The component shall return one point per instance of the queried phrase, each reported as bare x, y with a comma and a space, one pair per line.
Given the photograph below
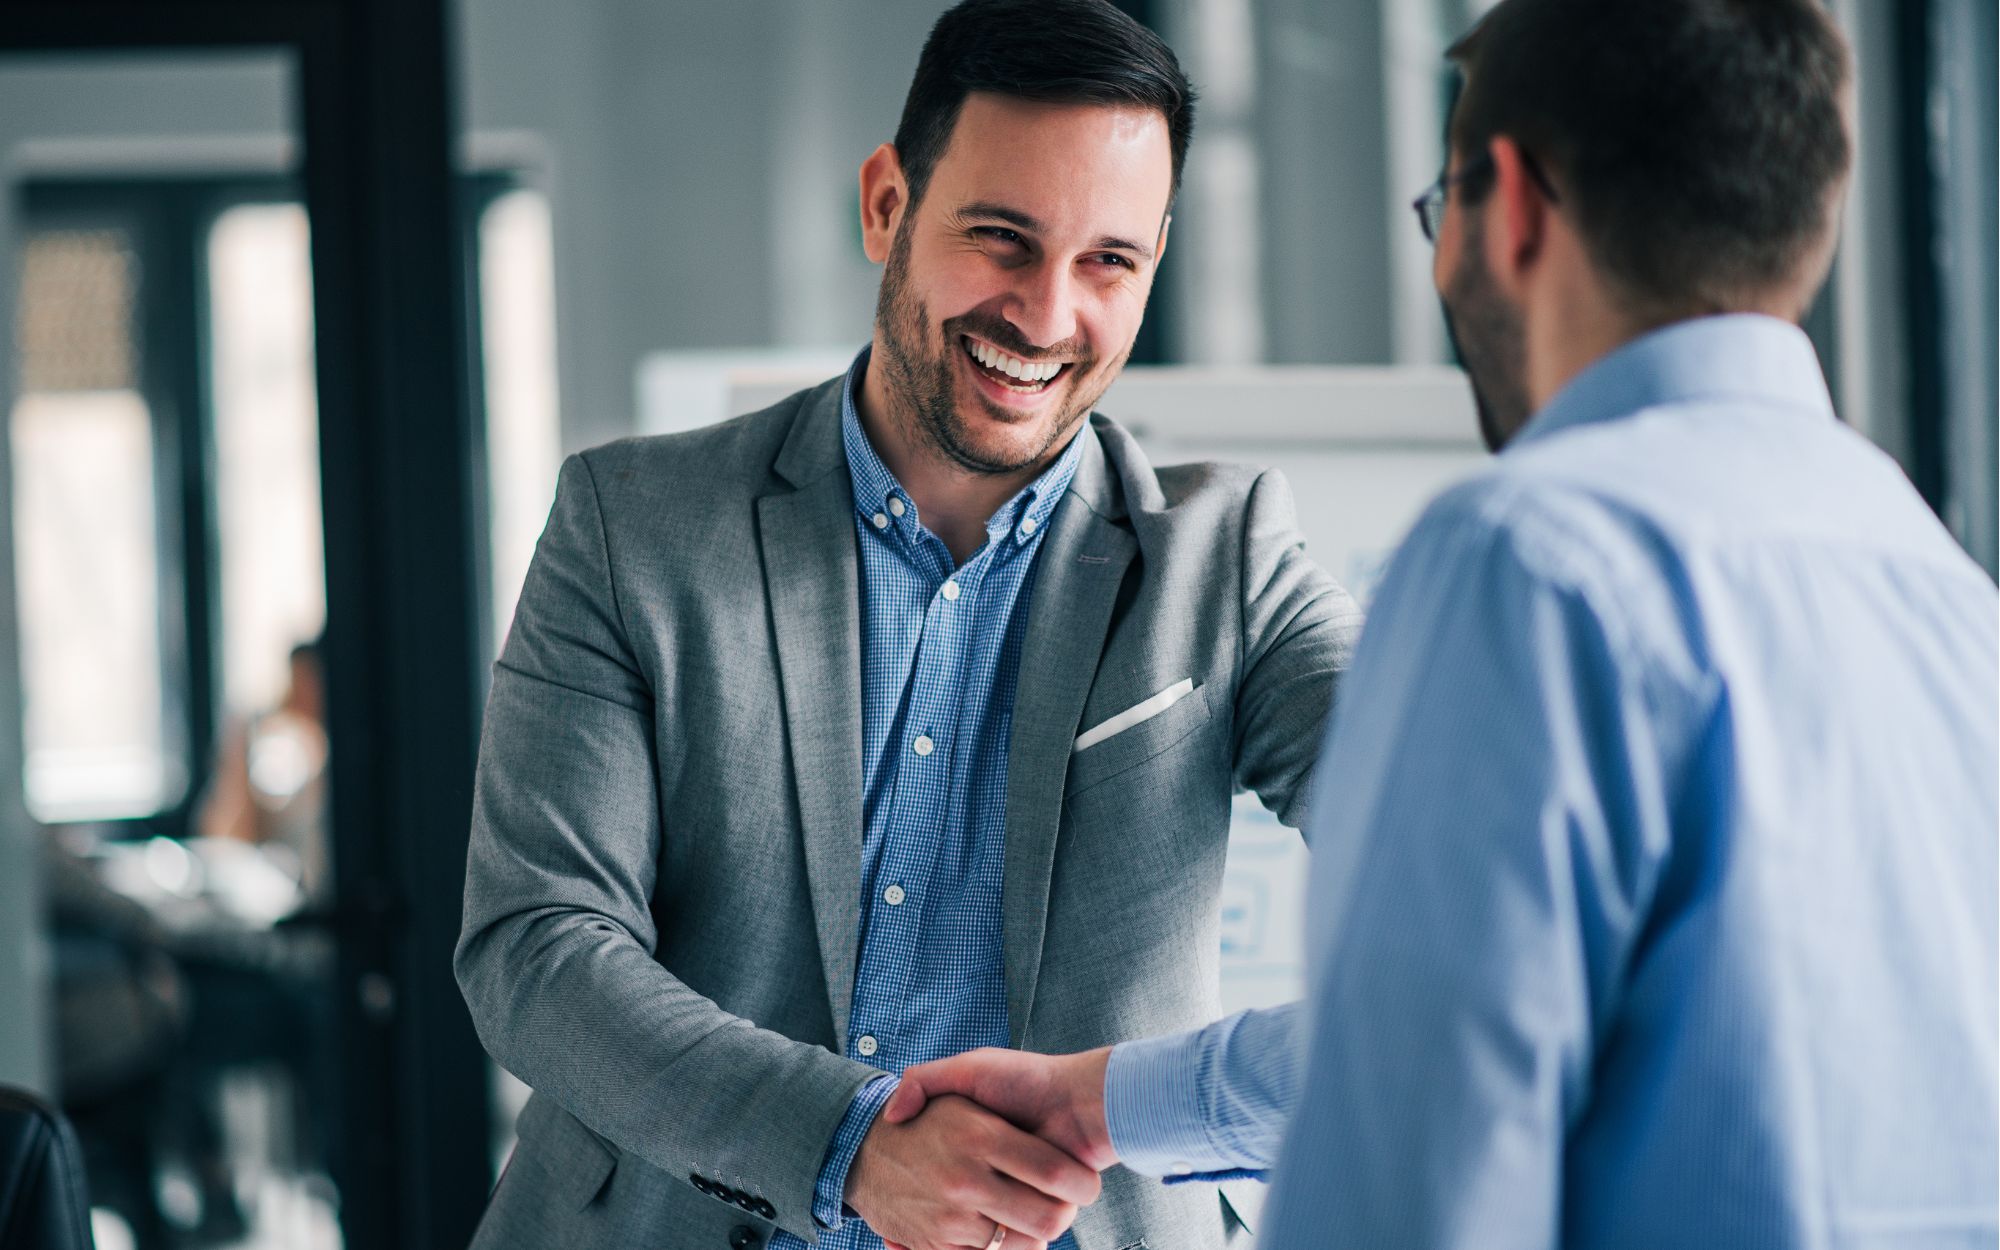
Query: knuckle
959, 1189
1052, 1222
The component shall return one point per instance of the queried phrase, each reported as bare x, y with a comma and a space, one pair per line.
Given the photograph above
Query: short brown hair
1057, 51
1701, 141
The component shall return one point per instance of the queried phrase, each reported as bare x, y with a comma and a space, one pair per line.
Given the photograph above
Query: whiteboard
1364, 450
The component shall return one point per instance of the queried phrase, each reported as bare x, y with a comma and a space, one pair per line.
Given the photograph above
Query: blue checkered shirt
940, 652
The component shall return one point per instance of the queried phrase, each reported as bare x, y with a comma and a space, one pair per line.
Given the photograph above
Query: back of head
1702, 143
1053, 51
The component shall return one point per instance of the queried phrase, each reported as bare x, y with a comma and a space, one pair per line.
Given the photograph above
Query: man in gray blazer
898, 719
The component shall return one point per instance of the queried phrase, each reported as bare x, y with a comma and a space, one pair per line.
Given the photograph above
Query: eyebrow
1015, 217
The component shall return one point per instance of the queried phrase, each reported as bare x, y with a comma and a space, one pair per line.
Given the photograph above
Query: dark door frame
398, 450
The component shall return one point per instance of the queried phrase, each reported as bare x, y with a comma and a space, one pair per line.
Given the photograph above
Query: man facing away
1658, 905
898, 719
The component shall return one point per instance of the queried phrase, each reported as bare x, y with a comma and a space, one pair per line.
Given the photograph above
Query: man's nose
1043, 306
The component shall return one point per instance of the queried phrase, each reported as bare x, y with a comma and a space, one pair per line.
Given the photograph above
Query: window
86, 537
518, 347
273, 575
165, 446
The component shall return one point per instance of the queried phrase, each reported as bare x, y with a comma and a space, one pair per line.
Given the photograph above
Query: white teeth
1000, 362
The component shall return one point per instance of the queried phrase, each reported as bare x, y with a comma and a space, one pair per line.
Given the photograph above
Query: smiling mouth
1023, 377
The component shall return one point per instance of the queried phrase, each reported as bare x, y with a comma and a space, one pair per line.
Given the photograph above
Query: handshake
988, 1149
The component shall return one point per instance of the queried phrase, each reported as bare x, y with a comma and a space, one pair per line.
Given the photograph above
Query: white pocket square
1137, 713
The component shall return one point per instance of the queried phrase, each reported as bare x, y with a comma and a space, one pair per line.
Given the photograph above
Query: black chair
42, 1201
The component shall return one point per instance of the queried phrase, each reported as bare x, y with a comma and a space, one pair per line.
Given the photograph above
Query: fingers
1031, 1217
907, 1101
921, 1083
943, 1180
1033, 1162
1016, 1240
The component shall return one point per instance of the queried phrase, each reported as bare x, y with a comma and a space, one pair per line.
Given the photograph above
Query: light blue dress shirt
940, 658
1654, 893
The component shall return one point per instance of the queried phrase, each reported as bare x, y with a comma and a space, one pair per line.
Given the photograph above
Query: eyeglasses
1430, 205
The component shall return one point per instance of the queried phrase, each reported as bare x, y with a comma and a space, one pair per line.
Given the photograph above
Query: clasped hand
984, 1141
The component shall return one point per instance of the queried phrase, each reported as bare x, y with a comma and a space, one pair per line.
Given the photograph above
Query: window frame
168, 220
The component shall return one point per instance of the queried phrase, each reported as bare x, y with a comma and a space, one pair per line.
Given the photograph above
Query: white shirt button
1177, 1168
866, 1047
880, 521
893, 896
1028, 526
895, 505
923, 745
951, 591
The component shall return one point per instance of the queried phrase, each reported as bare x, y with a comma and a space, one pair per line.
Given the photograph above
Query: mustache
997, 331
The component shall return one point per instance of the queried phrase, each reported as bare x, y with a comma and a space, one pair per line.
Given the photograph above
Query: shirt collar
1741, 356
877, 492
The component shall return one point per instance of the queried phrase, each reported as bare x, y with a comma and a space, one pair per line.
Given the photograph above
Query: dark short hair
1700, 141
1056, 51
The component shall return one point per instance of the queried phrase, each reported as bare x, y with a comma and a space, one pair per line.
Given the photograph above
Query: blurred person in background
1653, 896
269, 787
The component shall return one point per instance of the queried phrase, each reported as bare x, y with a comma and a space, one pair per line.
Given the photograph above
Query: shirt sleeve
1488, 827
1206, 1105
828, 1209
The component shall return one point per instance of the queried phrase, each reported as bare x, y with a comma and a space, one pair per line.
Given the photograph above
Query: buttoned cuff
828, 1210
1157, 1107
1153, 1106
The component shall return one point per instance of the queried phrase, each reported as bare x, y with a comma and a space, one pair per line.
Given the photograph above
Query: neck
1573, 331
954, 501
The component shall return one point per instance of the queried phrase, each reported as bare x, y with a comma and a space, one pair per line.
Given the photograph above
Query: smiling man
899, 719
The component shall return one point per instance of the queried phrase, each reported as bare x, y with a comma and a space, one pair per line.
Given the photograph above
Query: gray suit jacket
663, 896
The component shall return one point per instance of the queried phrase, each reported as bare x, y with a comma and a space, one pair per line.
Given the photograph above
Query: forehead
1087, 169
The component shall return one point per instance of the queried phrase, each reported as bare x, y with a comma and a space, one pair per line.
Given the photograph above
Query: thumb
909, 1099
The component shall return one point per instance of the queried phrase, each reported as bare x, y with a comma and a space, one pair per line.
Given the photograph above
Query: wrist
1086, 1100
858, 1128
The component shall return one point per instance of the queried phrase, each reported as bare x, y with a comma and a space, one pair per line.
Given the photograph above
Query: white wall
701, 160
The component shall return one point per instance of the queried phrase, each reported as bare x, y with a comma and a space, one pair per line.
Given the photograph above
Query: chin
993, 441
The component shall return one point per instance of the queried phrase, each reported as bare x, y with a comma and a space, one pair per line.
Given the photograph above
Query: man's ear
1160, 246
885, 196
1517, 217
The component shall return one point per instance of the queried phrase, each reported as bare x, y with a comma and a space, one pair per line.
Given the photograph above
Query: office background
308, 299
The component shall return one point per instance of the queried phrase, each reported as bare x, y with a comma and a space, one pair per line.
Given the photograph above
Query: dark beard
1493, 347
920, 384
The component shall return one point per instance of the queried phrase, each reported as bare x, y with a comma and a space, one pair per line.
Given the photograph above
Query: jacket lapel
811, 584
1083, 561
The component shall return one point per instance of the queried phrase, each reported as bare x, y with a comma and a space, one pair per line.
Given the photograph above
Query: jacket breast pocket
1129, 748
576, 1160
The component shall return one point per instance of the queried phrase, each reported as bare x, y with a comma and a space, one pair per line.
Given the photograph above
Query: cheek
1110, 321
1443, 255
954, 281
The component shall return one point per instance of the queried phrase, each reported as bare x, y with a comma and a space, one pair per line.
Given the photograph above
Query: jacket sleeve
1299, 632
556, 955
